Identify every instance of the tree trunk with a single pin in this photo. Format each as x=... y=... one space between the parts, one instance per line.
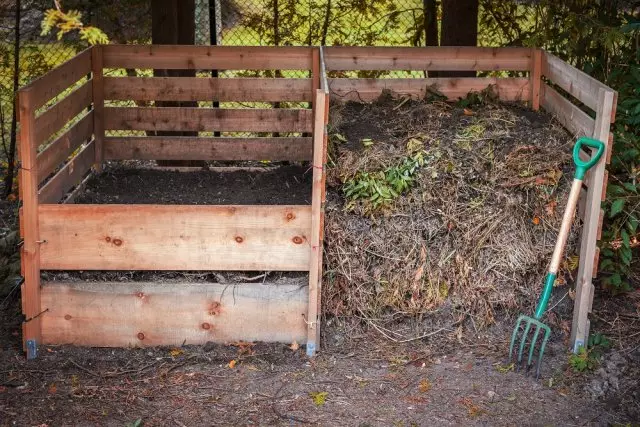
x=173 y=22
x=430 y=11
x=459 y=28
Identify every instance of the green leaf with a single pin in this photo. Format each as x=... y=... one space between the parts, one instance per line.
x=616 y=207
x=625 y=238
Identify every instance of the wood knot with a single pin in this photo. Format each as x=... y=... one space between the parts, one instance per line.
x=117 y=242
x=140 y=294
x=215 y=308
x=290 y=216
x=67 y=317
x=239 y=239
x=206 y=326
x=140 y=336
x=107 y=239
x=298 y=240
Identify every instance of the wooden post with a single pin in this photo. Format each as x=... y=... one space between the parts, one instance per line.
x=31 y=327
x=590 y=230
x=535 y=78
x=98 y=104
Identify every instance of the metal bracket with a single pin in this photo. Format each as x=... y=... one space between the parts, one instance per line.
x=32 y=349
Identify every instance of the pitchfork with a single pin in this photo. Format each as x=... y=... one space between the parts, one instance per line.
x=527 y=322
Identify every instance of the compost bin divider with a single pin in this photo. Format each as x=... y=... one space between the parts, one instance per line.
x=97 y=78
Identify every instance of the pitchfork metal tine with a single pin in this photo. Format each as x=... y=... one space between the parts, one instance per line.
x=523 y=344
x=514 y=335
x=533 y=345
x=547 y=332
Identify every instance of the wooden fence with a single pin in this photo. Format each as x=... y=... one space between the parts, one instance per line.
x=61 y=145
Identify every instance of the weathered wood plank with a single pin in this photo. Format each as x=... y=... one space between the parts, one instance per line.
x=54 y=118
x=206 y=148
x=60 y=78
x=579 y=84
x=208 y=119
x=208 y=57
x=427 y=58
x=571 y=117
x=158 y=237
x=141 y=314
x=60 y=149
x=508 y=89
x=535 y=76
x=67 y=177
x=207 y=89
x=30 y=259
x=98 y=104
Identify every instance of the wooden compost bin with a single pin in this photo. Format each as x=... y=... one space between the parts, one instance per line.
x=59 y=236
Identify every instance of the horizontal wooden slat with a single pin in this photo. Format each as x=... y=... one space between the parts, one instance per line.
x=207 y=89
x=579 y=84
x=571 y=117
x=60 y=78
x=150 y=314
x=427 y=58
x=60 y=149
x=207 y=57
x=67 y=177
x=202 y=148
x=159 y=237
x=208 y=119
x=54 y=118
x=509 y=89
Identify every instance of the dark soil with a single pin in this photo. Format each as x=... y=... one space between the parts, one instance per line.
x=132 y=184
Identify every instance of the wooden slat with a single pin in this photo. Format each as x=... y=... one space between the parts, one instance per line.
x=203 y=148
x=609 y=147
x=30 y=259
x=427 y=58
x=573 y=118
x=60 y=78
x=69 y=176
x=98 y=104
x=158 y=237
x=207 y=89
x=579 y=84
x=535 y=76
x=54 y=118
x=508 y=89
x=60 y=149
x=590 y=229
x=141 y=314
x=208 y=57
x=208 y=119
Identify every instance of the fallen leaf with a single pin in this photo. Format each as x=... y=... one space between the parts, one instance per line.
x=503 y=369
x=468 y=112
x=535 y=220
x=319 y=397
x=232 y=364
x=53 y=388
x=294 y=345
x=175 y=352
x=550 y=207
x=424 y=386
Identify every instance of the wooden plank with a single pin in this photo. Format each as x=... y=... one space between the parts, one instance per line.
x=324 y=85
x=208 y=57
x=60 y=149
x=508 y=89
x=206 y=148
x=535 y=79
x=60 y=78
x=98 y=104
x=141 y=314
x=207 y=89
x=69 y=176
x=31 y=327
x=315 y=69
x=590 y=229
x=609 y=147
x=579 y=84
x=158 y=237
x=208 y=119
x=571 y=117
x=56 y=117
x=341 y=58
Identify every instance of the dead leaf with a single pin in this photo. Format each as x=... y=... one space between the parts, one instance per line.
x=468 y=112
x=424 y=386
x=319 y=397
x=536 y=220
x=244 y=347
x=175 y=352
x=550 y=208
x=53 y=388
x=233 y=364
x=294 y=346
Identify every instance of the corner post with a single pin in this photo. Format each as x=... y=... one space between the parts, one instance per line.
x=591 y=227
x=98 y=103
x=31 y=307
x=535 y=76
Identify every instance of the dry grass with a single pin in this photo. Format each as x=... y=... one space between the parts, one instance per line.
x=476 y=230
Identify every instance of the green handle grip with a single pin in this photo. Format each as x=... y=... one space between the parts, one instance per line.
x=581 y=166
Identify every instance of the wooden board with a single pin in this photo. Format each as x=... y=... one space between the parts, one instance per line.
x=579 y=84
x=56 y=117
x=427 y=58
x=61 y=148
x=508 y=89
x=183 y=57
x=207 y=89
x=60 y=78
x=207 y=148
x=571 y=117
x=139 y=314
x=98 y=105
x=208 y=119
x=158 y=237
x=535 y=76
x=69 y=176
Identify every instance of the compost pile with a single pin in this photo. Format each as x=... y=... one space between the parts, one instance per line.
x=441 y=207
